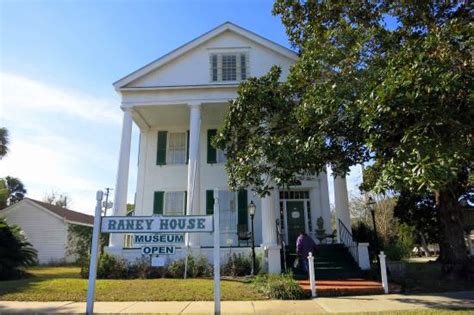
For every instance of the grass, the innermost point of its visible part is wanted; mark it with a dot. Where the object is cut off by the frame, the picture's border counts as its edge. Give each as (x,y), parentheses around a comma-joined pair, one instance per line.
(64,284)
(417,312)
(426,276)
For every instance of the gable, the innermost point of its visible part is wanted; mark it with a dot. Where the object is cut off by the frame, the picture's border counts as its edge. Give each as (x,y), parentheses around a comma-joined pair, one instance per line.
(189,65)
(56,212)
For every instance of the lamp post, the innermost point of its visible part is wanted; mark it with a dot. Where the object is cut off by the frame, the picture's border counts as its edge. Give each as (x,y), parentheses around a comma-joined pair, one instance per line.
(371,205)
(252,208)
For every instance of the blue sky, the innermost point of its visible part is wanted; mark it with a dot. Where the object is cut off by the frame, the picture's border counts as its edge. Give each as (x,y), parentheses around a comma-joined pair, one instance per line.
(58,60)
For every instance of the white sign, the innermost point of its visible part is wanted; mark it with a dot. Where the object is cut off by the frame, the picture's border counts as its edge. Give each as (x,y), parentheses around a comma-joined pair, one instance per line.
(139,239)
(157,261)
(158,250)
(157,224)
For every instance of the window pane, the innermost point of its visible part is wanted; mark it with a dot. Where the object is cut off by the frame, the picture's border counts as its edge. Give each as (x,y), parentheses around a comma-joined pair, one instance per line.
(174,203)
(220,156)
(229,67)
(177,148)
(228,211)
(214,68)
(243,67)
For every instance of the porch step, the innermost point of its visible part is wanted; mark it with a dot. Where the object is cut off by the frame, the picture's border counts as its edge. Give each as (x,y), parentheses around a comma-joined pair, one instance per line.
(332,262)
(343,287)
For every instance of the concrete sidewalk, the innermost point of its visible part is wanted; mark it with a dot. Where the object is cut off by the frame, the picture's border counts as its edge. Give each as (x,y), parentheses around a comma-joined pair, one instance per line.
(353,304)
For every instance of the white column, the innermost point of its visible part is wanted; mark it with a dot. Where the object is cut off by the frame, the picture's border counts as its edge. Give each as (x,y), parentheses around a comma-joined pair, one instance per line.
(269,234)
(341,200)
(193,188)
(121,186)
(325,205)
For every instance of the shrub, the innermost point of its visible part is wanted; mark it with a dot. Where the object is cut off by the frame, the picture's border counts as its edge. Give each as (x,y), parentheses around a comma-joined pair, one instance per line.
(401,245)
(175,269)
(199,267)
(282,287)
(108,267)
(239,265)
(15,252)
(79,240)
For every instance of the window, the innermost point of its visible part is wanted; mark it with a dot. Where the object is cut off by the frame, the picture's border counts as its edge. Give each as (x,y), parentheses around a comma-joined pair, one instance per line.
(177,148)
(220,156)
(214,155)
(229,67)
(175,203)
(228,211)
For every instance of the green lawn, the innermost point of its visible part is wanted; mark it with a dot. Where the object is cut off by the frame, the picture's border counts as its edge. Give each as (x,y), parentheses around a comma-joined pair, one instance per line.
(64,284)
(417,312)
(425,276)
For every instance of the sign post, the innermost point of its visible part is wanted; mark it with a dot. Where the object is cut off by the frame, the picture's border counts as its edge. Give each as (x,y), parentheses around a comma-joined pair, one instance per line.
(94,254)
(217,263)
(160,244)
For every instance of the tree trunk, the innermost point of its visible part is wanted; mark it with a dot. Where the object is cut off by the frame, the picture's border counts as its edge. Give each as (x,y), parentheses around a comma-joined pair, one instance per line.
(453,252)
(424,245)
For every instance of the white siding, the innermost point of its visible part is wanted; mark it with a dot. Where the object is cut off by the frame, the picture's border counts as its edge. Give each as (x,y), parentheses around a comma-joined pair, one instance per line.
(47,233)
(192,68)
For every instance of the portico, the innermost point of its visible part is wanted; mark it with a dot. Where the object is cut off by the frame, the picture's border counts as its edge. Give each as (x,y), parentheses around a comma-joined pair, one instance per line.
(178,103)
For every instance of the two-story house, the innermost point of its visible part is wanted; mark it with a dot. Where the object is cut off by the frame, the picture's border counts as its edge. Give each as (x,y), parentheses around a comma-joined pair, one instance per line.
(178,102)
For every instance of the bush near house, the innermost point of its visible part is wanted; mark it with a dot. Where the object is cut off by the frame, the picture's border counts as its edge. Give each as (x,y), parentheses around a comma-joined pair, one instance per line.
(113,267)
(282,287)
(16,252)
(239,265)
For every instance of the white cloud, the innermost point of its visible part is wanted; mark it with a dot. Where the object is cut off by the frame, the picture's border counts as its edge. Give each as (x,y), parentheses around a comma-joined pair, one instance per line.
(21,95)
(60,140)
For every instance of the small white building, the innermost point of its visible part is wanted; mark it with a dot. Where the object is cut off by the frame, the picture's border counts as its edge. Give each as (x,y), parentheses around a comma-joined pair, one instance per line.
(46,227)
(178,102)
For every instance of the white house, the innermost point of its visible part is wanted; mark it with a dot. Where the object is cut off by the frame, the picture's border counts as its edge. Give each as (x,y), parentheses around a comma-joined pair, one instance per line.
(46,227)
(178,101)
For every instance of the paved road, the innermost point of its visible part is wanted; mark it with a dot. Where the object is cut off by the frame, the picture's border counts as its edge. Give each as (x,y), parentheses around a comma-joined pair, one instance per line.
(367,303)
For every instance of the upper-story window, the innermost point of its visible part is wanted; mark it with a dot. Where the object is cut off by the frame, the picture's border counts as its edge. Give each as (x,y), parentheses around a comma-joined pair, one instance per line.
(177,148)
(172,148)
(229,67)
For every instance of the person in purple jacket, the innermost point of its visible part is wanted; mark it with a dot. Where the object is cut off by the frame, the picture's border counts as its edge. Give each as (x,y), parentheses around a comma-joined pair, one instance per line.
(304,245)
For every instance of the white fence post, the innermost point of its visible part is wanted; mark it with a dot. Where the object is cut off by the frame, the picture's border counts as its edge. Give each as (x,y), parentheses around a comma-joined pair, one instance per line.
(312,282)
(94,254)
(217,256)
(383,271)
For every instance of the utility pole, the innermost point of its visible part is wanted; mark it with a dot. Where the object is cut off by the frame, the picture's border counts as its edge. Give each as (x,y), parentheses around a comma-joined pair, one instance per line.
(107,191)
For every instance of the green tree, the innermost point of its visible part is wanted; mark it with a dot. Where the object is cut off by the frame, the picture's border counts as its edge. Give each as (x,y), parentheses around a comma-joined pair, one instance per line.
(419,211)
(4,193)
(16,189)
(360,91)
(15,251)
(3,142)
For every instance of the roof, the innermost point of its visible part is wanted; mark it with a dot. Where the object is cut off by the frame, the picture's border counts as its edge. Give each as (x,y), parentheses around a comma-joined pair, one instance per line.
(69,215)
(227,26)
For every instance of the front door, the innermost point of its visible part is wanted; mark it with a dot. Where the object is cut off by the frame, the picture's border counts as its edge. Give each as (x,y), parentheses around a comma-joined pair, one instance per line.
(295,220)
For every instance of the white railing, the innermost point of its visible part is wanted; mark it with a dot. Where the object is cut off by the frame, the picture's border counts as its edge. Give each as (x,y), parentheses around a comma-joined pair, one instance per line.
(346,238)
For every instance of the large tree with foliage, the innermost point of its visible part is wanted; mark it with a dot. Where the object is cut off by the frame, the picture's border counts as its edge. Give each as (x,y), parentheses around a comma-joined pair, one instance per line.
(3,142)
(16,189)
(364,90)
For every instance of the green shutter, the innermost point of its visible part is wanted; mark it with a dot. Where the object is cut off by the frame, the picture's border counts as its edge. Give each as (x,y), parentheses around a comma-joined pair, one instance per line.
(209,202)
(185,202)
(187,147)
(158,202)
(211,151)
(242,209)
(161,148)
